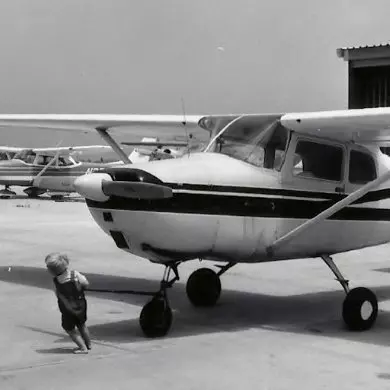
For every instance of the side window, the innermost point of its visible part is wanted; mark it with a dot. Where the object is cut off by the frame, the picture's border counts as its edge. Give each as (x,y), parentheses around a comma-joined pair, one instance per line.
(43,160)
(361,168)
(319,161)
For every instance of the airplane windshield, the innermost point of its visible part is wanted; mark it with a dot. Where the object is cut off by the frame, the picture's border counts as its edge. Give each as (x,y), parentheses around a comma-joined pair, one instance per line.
(6,155)
(26,155)
(259,141)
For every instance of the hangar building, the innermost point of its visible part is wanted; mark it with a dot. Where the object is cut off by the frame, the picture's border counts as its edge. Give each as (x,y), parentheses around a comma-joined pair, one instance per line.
(368,75)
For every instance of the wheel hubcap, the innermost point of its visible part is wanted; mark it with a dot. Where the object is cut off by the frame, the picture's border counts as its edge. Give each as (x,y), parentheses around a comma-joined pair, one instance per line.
(366,310)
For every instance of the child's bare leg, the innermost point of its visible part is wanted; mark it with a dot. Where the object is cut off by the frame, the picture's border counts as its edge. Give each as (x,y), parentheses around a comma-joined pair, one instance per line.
(76,338)
(85,335)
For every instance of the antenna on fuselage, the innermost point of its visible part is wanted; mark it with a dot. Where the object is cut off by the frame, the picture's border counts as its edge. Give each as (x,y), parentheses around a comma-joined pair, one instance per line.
(183,107)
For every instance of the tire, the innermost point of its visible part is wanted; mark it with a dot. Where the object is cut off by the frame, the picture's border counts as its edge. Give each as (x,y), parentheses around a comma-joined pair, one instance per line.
(156,318)
(203,287)
(57,197)
(356,302)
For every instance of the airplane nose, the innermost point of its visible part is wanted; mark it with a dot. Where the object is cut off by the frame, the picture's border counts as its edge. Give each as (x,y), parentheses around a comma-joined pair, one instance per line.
(91,186)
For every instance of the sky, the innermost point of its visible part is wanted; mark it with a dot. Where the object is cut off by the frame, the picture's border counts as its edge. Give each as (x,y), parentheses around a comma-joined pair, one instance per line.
(146,57)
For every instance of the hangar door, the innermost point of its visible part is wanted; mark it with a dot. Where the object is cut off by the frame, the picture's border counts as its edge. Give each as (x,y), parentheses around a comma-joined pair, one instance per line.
(371,87)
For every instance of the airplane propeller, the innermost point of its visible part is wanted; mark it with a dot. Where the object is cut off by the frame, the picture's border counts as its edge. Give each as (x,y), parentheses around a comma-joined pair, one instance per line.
(100,187)
(135,190)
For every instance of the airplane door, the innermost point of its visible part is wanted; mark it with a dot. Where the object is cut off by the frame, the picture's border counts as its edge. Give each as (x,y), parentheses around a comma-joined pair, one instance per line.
(361,169)
(315,165)
(314,170)
(363,226)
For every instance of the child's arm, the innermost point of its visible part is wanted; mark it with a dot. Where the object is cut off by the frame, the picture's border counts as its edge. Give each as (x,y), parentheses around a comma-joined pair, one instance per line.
(82,279)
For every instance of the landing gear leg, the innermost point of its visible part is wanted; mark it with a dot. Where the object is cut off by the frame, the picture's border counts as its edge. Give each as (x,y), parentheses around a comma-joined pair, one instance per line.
(360,307)
(156,316)
(6,193)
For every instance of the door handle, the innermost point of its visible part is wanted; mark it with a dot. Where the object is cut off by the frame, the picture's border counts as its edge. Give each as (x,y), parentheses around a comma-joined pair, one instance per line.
(340,189)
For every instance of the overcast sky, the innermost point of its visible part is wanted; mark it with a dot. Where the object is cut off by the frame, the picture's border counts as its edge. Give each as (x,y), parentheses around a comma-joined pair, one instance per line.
(220,56)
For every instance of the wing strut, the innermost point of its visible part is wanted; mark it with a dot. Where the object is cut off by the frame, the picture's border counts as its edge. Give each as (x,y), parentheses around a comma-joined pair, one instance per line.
(117,149)
(327,213)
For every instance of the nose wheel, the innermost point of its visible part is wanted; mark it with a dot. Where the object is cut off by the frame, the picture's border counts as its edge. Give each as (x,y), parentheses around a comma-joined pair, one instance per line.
(360,306)
(156,316)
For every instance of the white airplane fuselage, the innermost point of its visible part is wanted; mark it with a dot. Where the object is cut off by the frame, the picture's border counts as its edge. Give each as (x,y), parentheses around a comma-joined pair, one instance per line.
(224,209)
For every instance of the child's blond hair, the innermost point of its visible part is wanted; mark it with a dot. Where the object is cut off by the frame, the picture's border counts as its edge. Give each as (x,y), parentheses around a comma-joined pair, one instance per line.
(57,263)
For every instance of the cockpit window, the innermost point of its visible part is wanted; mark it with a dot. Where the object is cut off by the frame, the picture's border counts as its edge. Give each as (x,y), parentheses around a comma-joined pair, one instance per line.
(43,160)
(361,168)
(4,156)
(259,142)
(315,160)
(26,155)
(64,161)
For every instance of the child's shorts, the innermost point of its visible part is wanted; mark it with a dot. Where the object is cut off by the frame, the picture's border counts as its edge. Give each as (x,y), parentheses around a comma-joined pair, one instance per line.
(69,322)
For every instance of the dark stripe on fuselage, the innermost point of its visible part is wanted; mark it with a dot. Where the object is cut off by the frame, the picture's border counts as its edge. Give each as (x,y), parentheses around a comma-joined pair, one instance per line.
(251,206)
(372,196)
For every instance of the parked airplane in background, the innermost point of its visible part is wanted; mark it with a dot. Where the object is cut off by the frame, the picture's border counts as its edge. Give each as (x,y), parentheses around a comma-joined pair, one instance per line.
(162,150)
(55,169)
(267,187)
(42,169)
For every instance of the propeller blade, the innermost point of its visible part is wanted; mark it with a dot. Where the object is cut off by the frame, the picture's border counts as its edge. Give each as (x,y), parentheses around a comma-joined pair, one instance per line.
(134,190)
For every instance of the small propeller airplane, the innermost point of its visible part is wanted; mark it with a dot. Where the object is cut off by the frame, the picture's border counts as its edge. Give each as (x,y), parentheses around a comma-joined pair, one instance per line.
(267,187)
(42,169)
(162,150)
(55,169)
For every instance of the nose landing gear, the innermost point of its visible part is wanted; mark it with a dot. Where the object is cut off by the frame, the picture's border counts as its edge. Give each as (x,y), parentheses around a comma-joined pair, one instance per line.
(156,316)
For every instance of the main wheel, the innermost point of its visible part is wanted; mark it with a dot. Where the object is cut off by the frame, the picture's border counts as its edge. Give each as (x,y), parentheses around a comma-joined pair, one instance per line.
(360,309)
(203,287)
(33,195)
(33,192)
(156,318)
(57,197)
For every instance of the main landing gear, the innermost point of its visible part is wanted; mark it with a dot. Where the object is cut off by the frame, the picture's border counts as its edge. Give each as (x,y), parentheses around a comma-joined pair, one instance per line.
(360,307)
(6,193)
(204,286)
(34,192)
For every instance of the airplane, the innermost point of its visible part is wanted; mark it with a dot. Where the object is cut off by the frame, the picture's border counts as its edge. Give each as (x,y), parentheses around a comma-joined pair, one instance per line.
(42,169)
(267,187)
(54,169)
(163,149)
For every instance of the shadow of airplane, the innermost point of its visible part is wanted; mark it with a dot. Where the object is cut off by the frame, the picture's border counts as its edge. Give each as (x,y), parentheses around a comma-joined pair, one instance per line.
(314,313)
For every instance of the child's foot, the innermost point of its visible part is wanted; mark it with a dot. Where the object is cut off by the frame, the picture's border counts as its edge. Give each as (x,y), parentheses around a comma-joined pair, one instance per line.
(89,347)
(80,351)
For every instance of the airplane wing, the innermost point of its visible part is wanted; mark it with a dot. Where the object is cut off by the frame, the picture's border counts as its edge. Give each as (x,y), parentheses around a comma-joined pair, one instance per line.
(361,125)
(102,123)
(70,149)
(91,122)
(155,143)
(11,149)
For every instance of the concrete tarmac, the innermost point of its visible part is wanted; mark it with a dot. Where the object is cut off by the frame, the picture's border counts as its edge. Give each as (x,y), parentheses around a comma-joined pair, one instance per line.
(277,326)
